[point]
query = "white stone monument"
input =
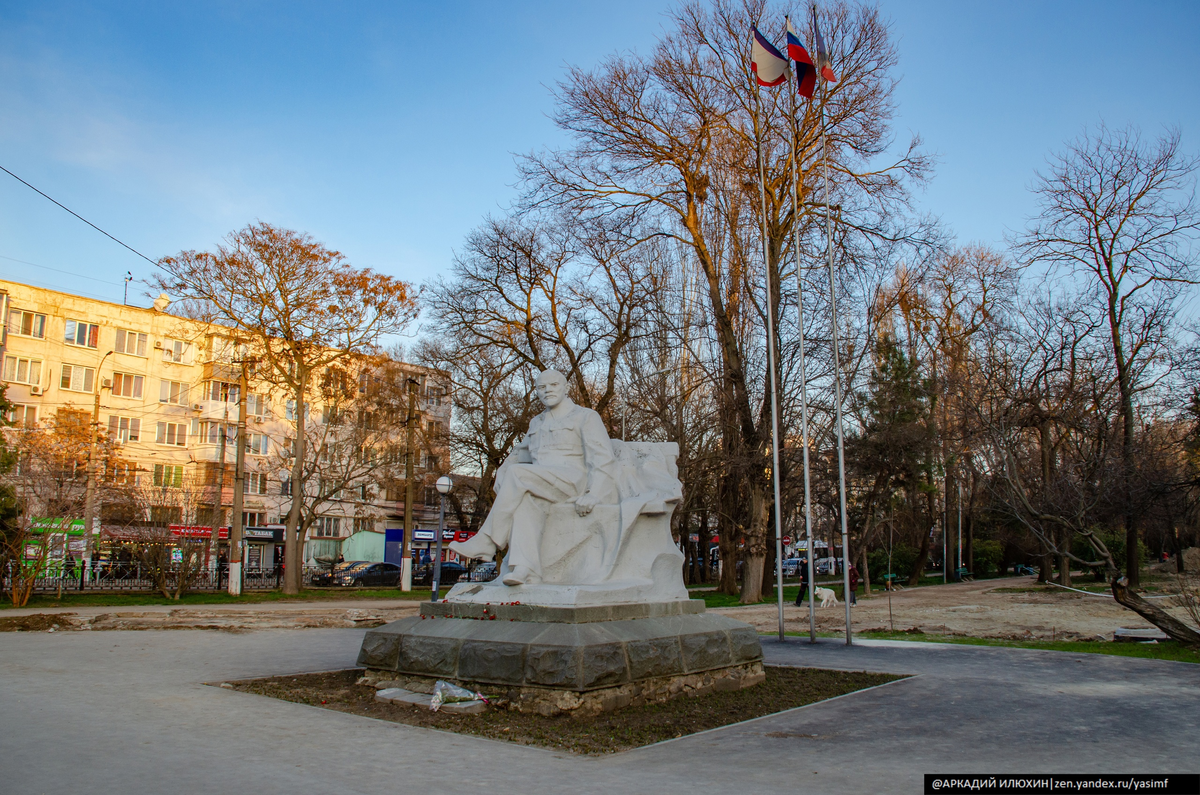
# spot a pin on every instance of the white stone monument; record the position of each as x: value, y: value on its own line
x: 586, y: 519
x: 589, y: 611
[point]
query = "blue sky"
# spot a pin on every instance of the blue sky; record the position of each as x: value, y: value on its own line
x: 387, y: 130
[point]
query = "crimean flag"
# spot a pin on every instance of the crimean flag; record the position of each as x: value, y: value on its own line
x: 768, y: 63
x: 806, y: 75
x: 824, y: 64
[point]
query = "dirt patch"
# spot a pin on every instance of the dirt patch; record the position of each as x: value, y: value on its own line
x: 39, y: 622
x: 223, y: 619
x: 1009, y: 609
x: 610, y: 732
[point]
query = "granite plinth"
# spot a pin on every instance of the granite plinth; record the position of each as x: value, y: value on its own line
x: 561, y: 655
x: 545, y: 614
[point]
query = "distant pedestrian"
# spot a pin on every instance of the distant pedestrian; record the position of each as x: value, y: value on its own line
x: 803, y: 582
x: 853, y: 572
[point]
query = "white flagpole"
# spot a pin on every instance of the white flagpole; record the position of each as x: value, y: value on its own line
x: 812, y: 615
x: 762, y: 192
x: 837, y: 367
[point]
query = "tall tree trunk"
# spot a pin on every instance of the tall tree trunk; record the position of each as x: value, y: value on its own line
x: 914, y: 576
x: 727, y: 536
x: 756, y: 550
x: 1125, y: 386
x: 293, y: 576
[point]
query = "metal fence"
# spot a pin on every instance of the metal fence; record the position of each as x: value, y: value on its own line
x: 129, y: 576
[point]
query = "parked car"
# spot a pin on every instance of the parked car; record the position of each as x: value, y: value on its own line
x: 484, y: 572
x: 791, y: 566
x: 828, y: 565
x: 451, y: 573
x: 359, y: 574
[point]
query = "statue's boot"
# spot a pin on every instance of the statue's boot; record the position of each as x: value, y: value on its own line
x: 521, y: 576
x: 477, y: 547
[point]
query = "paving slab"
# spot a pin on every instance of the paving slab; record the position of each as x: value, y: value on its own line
x: 129, y: 712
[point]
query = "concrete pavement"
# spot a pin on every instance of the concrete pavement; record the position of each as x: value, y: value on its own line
x: 128, y: 712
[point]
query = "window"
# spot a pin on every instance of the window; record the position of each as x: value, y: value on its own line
x: 210, y: 433
x: 126, y: 385
x: 80, y: 333
x: 222, y: 391
x: 255, y: 483
x: 173, y: 392
x: 23, y: 416
x: 257, y: 444
x: 168, y: 474
x: 122, y: 472
x: 124, y: 429
x: 327, y: 527
x: 173, y: 433
x: 362, y: 525
x: 176, y: 351
x: 26, y: 324
x: 285, y: 487
x: 256, y: 405
x: 291, y: 410
x: 76, y: 378
x: 131, y: 342
x: 20, y: 370
x: 253, y: 519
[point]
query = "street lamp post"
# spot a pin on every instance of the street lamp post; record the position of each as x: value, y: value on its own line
x: 89, y: 506
x: 444, y: 484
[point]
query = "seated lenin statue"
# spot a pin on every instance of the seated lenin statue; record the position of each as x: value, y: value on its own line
x: 585, y: 519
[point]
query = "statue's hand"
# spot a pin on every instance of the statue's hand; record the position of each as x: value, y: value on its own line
x: 585, y: 504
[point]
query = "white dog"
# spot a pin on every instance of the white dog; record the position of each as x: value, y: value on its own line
x: 827, y: 597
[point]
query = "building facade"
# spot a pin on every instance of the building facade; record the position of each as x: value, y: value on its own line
x: 169, y: 401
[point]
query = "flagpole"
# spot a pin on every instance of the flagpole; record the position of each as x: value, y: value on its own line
x: 837, y: 367
x: 762, y: 192
x: 812, y: 615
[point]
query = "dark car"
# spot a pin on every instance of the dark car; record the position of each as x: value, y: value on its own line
x: 451, y: 573
x: 359, y: 573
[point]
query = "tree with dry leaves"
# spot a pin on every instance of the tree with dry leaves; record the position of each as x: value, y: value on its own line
x: 299, y: 308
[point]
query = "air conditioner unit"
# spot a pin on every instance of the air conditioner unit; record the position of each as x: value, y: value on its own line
x: 197, y: 407
x: 35, y: 390
x: 158, y: 345
x: 106, y: 383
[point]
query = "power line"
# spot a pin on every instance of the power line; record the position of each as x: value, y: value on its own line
x: 59, y: 270
x: 77, y: 215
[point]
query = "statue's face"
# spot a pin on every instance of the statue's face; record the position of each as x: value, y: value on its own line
x: 551, y: 389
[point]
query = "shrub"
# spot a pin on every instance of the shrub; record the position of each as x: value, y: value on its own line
x: 986, y: 556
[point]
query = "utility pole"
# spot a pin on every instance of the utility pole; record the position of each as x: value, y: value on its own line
x: 410, y: 441
x: 216, y: 520
x: 89, y: 500
x: 239, y: 486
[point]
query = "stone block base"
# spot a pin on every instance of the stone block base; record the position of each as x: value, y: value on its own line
x: 556, y: 663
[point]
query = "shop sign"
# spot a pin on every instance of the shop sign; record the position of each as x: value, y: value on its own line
x: 424, y: 535
x: 72, y: 527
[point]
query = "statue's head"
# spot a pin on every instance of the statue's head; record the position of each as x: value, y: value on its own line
x: 551, y: 388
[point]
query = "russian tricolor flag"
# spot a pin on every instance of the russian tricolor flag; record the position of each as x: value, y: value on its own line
x: 768, y: 64
x: 806, y: 75
x: 824, y: 62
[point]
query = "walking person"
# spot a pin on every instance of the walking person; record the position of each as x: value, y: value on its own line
x: 853, y: 584
x: 803, y: 582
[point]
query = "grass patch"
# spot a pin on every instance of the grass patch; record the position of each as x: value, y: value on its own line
x: 143, y: 598
x: 1163, y: 650
x: 610, y: 732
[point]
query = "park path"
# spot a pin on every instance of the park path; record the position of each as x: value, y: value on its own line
x: 130, y: 712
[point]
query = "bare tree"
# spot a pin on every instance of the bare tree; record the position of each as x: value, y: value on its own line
x: 1120, y: 213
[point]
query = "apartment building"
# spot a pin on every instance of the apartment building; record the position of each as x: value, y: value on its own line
x: 168, y: 395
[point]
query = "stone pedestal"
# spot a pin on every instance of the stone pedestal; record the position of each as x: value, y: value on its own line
x: 554, y: 659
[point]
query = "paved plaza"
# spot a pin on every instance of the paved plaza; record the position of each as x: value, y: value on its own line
x: 129, y: 712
